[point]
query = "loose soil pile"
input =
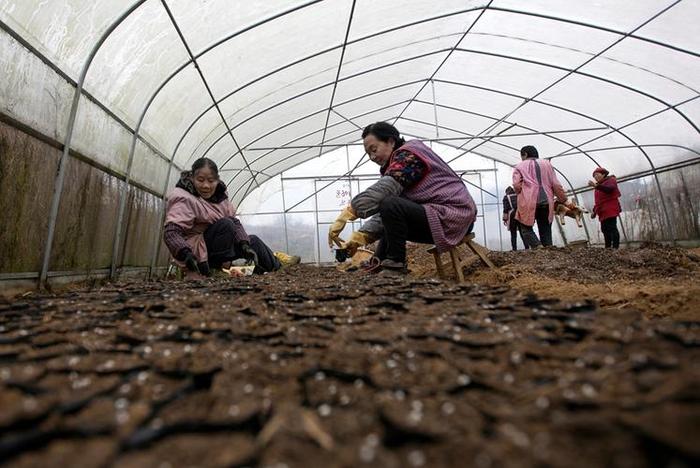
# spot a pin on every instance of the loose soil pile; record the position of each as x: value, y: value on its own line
x: 311, y: 367
x: 657, y: 280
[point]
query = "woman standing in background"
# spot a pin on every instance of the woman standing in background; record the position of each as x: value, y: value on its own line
x: 607, y: 205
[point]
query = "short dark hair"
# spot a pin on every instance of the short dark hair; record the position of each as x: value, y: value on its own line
x: 383, y: 131
x: 510, y: 189
x: 530, y: 151
x: 205, y: 162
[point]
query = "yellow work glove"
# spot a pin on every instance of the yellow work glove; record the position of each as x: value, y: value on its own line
x: 337, y: 227
x: 357, y: 239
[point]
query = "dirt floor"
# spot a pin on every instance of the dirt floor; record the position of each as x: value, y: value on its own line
x: 659, y: 281
x: 311, y: 367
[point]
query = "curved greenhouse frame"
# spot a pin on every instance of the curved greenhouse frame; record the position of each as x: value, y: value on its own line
x: 103, y: 103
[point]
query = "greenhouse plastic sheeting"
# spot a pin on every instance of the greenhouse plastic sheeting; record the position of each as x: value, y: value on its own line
x: 262, y: 86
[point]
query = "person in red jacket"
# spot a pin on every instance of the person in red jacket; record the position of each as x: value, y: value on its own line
x: 607, y: 205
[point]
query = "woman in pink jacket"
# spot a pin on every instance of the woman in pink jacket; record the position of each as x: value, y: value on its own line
x: 607, y: 205
x: 536, y: 185
x: 201, y: 228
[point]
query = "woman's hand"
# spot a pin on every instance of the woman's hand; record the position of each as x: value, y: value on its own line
x: 592, y: 183
x: 348, y: 214
x: 191, y: 263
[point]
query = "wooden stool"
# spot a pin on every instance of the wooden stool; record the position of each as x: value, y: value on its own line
x: 457, y: 261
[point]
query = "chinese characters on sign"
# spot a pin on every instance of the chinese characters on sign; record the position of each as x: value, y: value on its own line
x: 342, y: 195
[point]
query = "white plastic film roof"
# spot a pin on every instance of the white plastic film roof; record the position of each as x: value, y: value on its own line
x: 263, y: 85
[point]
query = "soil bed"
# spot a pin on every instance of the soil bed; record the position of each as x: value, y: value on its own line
x: 657, y: 280
x: 311, y: 367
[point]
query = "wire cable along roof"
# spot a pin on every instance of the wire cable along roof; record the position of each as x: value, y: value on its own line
x: 262, y: 86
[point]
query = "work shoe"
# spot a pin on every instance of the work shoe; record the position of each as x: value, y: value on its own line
x: 286, y: 259
x: 393, y: 268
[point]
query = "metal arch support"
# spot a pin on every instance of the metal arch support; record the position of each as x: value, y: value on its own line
x: 552, y: 18
x: 407, y: 134
x: 616, y: 130
x: 481, y: 13
x: 506, y: 94
x: 438, y: 17
x: 206, y: 84
x: 661, y: 169
x: 238, y: 170
x: 587, y: 25
x: 435, y: 115
x: 450, y: 145
x: 650, y: 145
x: 537, y: 132
x: 576, y: 71
x: 290, y: 156
x: 580, y: 114
x: 122, y: 199
x: 317, y: 88
x: 229, y: 37
x: 60, y: 175
x: 68, y: 79
x: 355, y: 117
x: 298, y: 152
x: 599, y: 28
x: 587, y: 75
x: 634, y: 122
x: 257, y: 79
x: 316, y: 131
x: 527, y: 99
x: 61, y: 171
x: 296, y: 62
x: 342, y: 103
x: 337, y: 75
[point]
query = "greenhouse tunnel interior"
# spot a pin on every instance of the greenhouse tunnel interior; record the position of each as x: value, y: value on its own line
x: 104, y: 103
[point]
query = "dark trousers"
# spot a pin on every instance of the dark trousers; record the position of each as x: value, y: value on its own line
x: 514, y: 228
x: 403, y: 220
x: 544, y: 227
x: 514, y: 239
x: 610, y: 233
x: 222, y: 247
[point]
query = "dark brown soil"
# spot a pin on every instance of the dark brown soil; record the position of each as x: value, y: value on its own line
x: 659, y: 281
x: 311, y: 367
